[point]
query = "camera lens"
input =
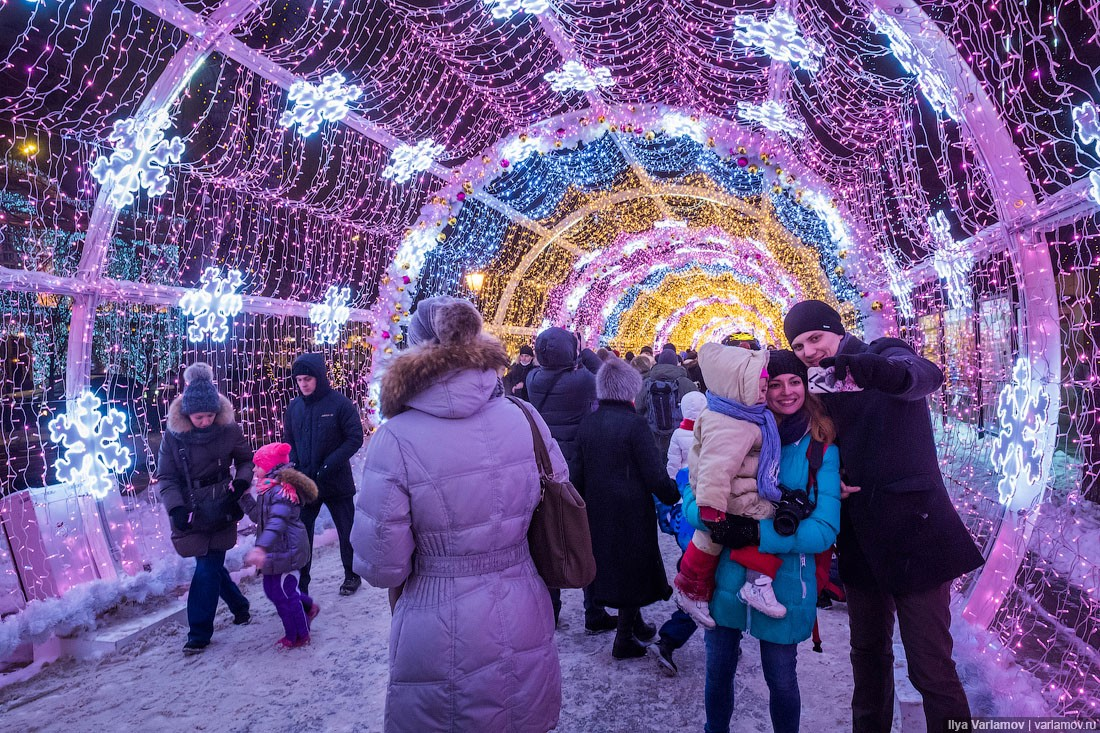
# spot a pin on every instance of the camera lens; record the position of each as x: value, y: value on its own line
x: 785, y: 524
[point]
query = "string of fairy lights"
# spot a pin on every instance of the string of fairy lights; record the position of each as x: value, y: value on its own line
x: 451, y: 144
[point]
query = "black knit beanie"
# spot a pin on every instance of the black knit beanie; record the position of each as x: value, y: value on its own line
x: 782, y: 361
x: 811, y: 315
x: 526, y: 350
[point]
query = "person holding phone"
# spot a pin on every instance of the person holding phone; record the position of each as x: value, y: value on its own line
x: 901, y: 542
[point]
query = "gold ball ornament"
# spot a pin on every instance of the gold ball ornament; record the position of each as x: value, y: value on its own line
x: 876, y: 305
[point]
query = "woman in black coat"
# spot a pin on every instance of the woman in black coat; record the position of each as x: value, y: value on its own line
x: 617, y: 469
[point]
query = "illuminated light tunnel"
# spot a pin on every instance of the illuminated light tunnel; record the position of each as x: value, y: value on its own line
x: 202, y: 180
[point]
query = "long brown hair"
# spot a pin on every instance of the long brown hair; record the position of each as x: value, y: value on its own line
x: 822, y: 428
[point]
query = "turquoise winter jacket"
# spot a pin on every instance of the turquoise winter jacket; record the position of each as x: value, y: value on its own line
x: 795, y: 584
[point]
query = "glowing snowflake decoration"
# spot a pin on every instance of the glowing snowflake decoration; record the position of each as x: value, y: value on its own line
x: 678, y: 125
x: 521, y: 148
x: 574, y: 75
x: 1020, y: 446
x: 899, y: 286
x: 506, y: 8
x: 329, y: 315
x: 315, y: 104
x: 1094, y: 189
x: 771, y: 115
x: 1086, y: 121
x: 781, y: 39
x: 212, y: 305
x: 408, y: 160
x: 93, y: 453
x: 932, y: 83
x: 952, y: 261
x: 138, y: 160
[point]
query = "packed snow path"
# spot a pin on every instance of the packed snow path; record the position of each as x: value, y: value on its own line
x: 242, y: 683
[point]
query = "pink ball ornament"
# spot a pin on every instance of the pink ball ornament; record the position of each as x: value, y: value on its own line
x: 560, y: 132
x: 504, y: 163
x: 742, y: 161
x: 406, y: 279
x: 461, y: 196
x: 385, y: 334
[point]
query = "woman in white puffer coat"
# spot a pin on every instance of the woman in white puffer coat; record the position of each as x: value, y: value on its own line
x: 679, y: 449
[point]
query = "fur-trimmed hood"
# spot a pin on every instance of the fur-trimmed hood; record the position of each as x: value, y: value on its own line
x: 179, y: 423
x: 450, y: 380
x: 303, y: 485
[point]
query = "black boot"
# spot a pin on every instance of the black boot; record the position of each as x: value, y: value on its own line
x: 642, y: 631
x: 351, y: 584
x: 626, y: 646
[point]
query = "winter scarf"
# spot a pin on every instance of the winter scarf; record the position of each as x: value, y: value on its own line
x: 265, y: 485
x: 767, y: 474
x: 793, y: 427
x: 686, y: 424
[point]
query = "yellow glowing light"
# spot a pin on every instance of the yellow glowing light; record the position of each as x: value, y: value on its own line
x: 475, y: 281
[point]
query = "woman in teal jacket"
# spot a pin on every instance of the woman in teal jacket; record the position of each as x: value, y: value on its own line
x: 801, y: 421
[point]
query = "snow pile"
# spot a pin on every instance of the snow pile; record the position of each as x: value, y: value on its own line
x: 995, y: 684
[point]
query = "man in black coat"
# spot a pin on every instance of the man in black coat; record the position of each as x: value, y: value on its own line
x: 515, y: 381
x: 324, y: 432
x: 901, y: 542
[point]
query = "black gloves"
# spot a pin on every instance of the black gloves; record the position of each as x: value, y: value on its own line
x: 178, y: 516
x: 735, y: 531
x: 240, y: 487
x: 869, y: 371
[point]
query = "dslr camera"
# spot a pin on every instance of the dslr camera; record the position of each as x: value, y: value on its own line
x: 794, y: 506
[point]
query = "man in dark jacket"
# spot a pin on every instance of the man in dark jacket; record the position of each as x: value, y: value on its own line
x: 659, y: 399
x: 563, y: 390
x: 324, y: 432
x: 901, y: 542
x: 515, y: 381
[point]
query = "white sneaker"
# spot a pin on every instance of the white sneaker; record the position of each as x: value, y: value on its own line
x: 761, y: 596
x: 698, y: 610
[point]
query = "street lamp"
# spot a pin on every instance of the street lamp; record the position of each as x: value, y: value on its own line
x: 475, y: 281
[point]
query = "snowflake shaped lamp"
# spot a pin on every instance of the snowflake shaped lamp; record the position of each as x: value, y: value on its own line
x: 138, y: 160
x: 575, y: 76
x: 212, y: 305
x: 771, y: 115
x: 408, y: 160
x: 781, y: 39
x: 93, y: 453
x: 898, y: 286
x: 952, y: 261
x: 932, y: 83
x: 1086, y: 121
x: 678, y: 125
x: 521, y: 148
x: 1019, y: 450
x: 506, y: 8
x: 314, y: 104
x: 329, y: 315
x: 1094, y: 189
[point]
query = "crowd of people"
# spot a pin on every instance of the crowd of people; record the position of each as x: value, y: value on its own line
x: 759, y: 470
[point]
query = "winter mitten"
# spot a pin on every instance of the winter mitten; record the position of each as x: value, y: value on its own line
x: 736, y: 532
x: 869, y: 371
x: 178, y: 517
x: 240, y: 488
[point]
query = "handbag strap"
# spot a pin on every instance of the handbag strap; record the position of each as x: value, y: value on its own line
x: 542, y: 455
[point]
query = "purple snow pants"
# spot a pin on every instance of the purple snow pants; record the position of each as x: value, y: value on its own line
x: 290, y: 603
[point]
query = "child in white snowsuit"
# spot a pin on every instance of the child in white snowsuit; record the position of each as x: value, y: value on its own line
x: 282, y: 545
x: 683, y: 438
x: 734, y: 466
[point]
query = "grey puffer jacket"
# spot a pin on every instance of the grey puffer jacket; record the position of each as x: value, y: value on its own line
x: 277, y: 512
x: 210, y: 455
x: 445, y: 499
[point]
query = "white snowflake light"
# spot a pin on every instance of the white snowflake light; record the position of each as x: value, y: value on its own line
x: 1094, y: 189
x: 952, y: 261
x: 781, y: 39
x: 574, y: 75
x: 315, y: 104
x: 1020, y: 446
x: 139, y: 157
x: 213, y: 304
x: 329, y: 315
x: 1086, y: 121
x: 899, y: 287
x: 771, y: 115
x: 408, y: 160
x: 932, y: 83
x: 521, y: 148
x: 506, y: 8
x: 93, y: 453
x: 678, y: 125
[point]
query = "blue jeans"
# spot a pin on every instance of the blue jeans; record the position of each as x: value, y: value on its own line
x: 779, y: 665
x: 211, y: 580
x: 677, y: 630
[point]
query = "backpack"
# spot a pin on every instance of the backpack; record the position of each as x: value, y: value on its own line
x: 663, y: 413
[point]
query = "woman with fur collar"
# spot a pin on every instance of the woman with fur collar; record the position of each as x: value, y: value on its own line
x: 201, y: 446
x: 446, y: 496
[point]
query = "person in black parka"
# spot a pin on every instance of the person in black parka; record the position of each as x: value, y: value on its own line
x: 901, y: 542
x: 515, y: 381
x: 324, y: 431
x: 617, y: 469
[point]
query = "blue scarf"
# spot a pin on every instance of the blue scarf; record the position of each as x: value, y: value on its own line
x: 767, y: 474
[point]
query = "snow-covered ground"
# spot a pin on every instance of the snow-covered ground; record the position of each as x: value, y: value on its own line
x: 242, y: 683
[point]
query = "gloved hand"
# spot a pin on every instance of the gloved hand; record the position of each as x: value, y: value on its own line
x: 735, y: 531
x: 178, y: 517
x: 869, y: 371
x: 240, y: 487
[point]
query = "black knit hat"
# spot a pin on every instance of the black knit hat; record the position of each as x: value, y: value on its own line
x: 526, y: 350
x: 200, y: 394
x: 782, y: 361
x: 811, y: 315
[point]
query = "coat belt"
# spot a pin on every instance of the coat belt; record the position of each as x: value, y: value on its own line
x: 459, y: 566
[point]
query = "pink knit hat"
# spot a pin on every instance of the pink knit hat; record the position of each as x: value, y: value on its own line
x: 271, y: 456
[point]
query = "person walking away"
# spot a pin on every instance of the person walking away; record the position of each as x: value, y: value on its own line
x: 658, y: 401
x: 204, y: 466
x: 617, y: 469
x: 901, y: 541
x: 282, y: 544
x: 448, y: 490
x: 324, y: 431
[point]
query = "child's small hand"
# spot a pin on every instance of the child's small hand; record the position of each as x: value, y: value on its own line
x: 256, y: 557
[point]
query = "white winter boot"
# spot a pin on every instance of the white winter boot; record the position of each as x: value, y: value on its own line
x: 698, y: 610
x: 759, y: 594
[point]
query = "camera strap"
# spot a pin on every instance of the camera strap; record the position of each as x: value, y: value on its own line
x: 815, y: 456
